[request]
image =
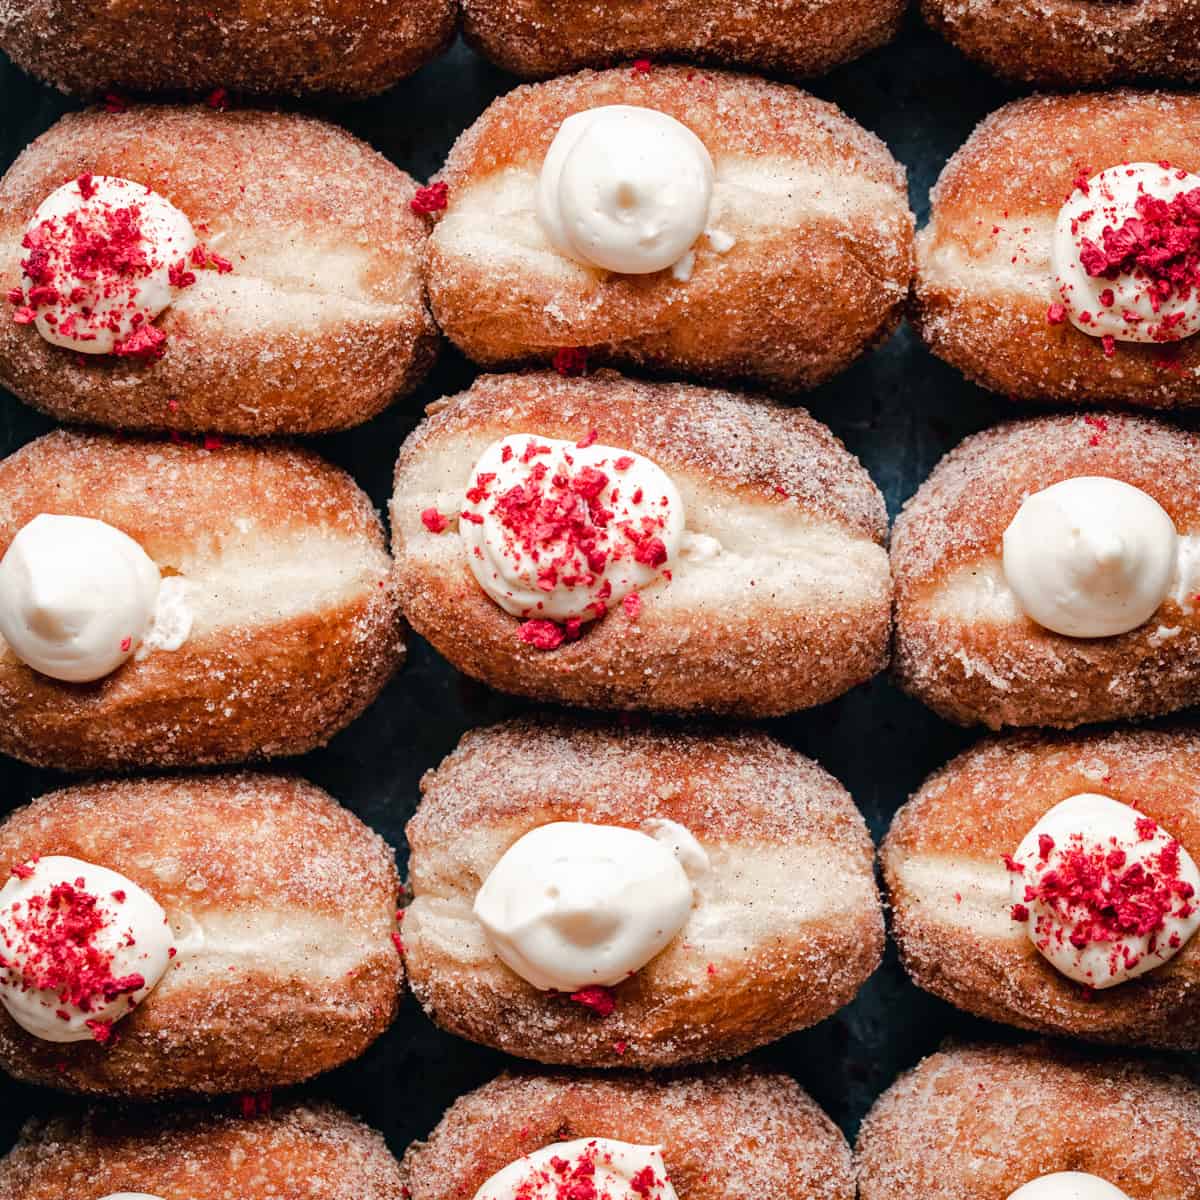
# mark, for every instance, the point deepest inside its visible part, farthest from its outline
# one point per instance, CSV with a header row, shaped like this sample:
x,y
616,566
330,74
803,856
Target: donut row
x,y
363,47
183,268
969,1123
640,897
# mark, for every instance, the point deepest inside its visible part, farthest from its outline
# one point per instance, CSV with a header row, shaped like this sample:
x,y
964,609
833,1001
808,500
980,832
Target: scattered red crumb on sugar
x,y
641,66
570,361
1108,344
1099,424
620,1047
632,604
24,315
398,942
218,98
599,999
126,645
587,440
542,634
213,442
431,199
1056,314
148,344
115,103
433,520
102,1031
712,968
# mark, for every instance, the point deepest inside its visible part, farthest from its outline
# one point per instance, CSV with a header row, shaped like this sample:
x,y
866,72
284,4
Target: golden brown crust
x,y
1003,672
1074,43
774,646
975,810
272,47
734,1134
795,300
808,928
978,1122
535,38
297,625
301,1152
283,907
984,282
321,324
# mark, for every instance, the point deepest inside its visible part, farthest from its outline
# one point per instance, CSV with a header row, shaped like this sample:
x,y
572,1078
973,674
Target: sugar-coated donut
x,y
780,599
1073,43
301,310
802,264
281,911
963,644
952,902
985,296
797,37
301,1151
285,579
349,47
733,1134
785,924
978,1122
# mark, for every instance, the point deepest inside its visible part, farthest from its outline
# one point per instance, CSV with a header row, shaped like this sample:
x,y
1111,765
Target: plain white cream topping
x,y
571,904
1068,1185
625,188
97,309
530,576
1090,556
135,934
540,1175
78,597
1109,201
1095,823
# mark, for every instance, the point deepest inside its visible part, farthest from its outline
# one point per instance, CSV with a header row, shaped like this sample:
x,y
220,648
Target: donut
x,y
590,894
273,47
1048,571
640,545
1073,43
977,923
195,933
1062,254
797,37
695,222
230,272
164,604
1034,1122
301,1151
723,1135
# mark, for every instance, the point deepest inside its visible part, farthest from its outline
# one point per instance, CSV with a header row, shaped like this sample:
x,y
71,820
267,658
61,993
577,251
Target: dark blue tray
x,y
899,410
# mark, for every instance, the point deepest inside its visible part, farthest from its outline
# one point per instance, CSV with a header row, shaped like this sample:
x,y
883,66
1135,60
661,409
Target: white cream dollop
x,y
79,597
561,531
131,1196
1125,307
1140,876
1090,556
1068,1185
570,905
64,985
625,188
104,257
610,1165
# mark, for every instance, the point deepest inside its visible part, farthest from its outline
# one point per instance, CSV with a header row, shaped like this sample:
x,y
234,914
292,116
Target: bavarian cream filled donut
x,y
1080,43
641,897
792,37
165,603
211,933
1048,573
1031,1123
1062,256
352,47
723,1135
1050,881
301,1151
699,222
627,545
234,272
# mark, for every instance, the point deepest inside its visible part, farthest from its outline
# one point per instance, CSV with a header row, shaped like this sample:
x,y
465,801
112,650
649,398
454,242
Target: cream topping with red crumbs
x,y
562,531
584,1169
80,947
1103,891
103,257
1068,1185
1126,254
572,905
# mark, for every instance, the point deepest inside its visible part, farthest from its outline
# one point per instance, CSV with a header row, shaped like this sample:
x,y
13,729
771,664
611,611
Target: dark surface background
x,y
898,409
